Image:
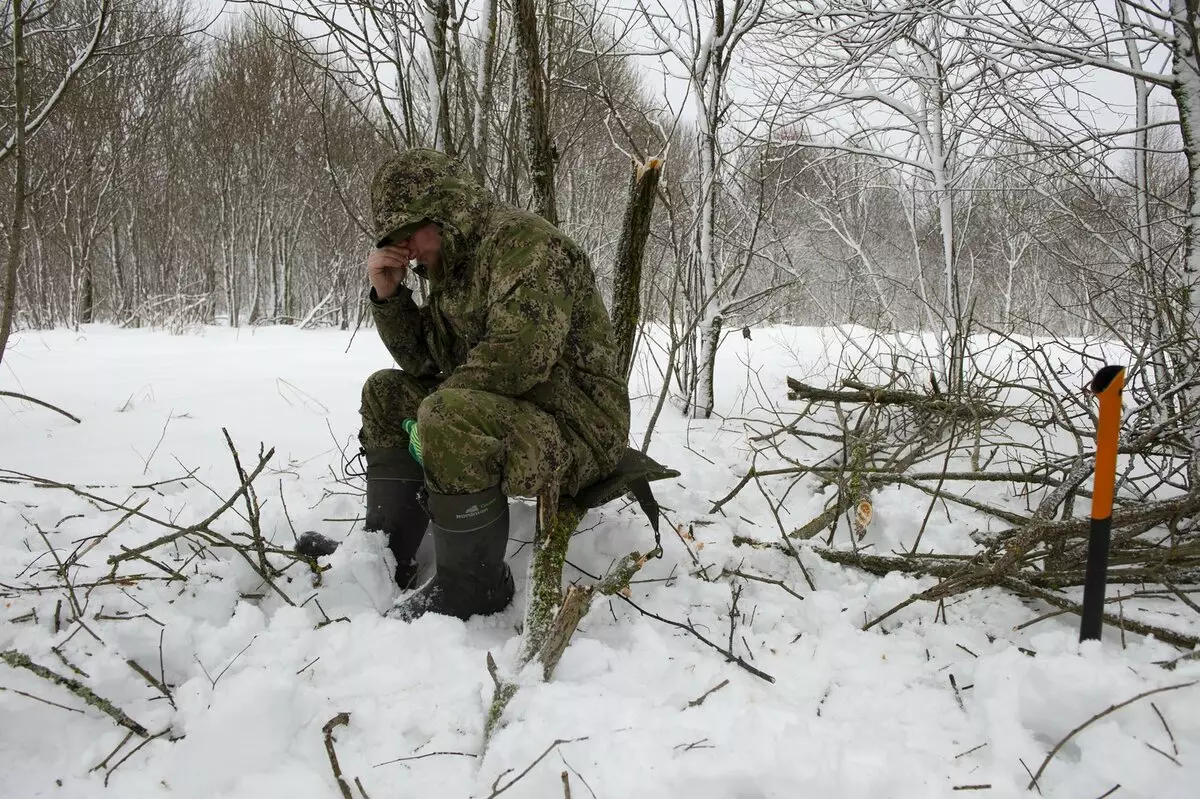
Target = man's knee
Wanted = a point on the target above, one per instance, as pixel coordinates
(376, 386)
(445, 410)
(462, 454)
(389, 392)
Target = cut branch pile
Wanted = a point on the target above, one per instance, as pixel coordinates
(942, 445)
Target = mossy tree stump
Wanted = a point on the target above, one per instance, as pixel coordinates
(550, 616)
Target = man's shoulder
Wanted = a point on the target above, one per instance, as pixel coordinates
(510, 227)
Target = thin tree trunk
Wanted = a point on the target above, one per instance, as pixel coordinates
(437, 20)
(484, 83)
(536, 113)
(627, 270)
(1186, 69)
(17, 225)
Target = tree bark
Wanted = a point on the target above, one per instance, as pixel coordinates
(484, 89)
(17, 224)
(437, 23)
(627, 270)
(536, 113)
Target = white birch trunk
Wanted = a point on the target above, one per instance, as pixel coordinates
(483, 88)
(433, 87)
(1186, 71)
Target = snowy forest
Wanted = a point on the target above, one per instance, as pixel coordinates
(864, 257)
(897, 165)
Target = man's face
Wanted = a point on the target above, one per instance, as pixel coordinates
(423, 245)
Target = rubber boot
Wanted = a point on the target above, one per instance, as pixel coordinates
(394, 481)
(470, 536)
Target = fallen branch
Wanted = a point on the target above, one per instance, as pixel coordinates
(762, 675)
(885, 396)
(498, 789)
(18, 660)
(133, 752)
(1097, 717)
(43, 403)
(552, 639)
(1139, 628)
(180, 532)
(339, 720)
(698, 701)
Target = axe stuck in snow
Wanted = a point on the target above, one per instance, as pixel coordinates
(1106, 384)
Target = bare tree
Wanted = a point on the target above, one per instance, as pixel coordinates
(31, 107)
(703, 43)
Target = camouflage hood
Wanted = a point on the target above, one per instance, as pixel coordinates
(416, 185)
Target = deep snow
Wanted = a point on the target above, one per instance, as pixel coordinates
(851, 714)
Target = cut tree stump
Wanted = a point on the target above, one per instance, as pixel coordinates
(552, 616)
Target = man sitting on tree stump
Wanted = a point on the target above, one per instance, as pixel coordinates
(508, 383)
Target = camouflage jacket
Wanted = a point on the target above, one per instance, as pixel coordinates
(513, 309)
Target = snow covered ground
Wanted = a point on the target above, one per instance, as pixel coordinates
(254, 680)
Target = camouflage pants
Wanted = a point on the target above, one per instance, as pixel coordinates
(471, 440)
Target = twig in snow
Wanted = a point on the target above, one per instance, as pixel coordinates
(760, 579)
(895, 609)
(1161, 752)
(162, 669)
(253, 509)
(422, 757)
(161, 437)
(498, 789)
(1170, 665)
(566, 786)
(1170, 735)
(691, 629)
(957, 695)
(178, 532)
(337, 721)
(43, 701)
(1033, 779)
(288, 516)
(18, 660)
(216, 680)
(94, 541)
(700, 744)
(151, 680)
(104, 763)
(575, 771)
(787, 544)
(735, 593)
(1097, 717)
(1110, 791)
(698, 701)
(63, 574)
(969, 751)
(133, 752)
(43, 403)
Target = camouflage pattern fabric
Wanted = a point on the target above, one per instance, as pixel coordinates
(513, 312)
(471, 440)
(388, 398)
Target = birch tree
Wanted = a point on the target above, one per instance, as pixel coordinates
(1127, 39)
(901, 84)
(702, 37)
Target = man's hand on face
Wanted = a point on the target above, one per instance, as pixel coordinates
(387, 267)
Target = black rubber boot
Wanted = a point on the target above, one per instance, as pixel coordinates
(470, 536)
(394, 480)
